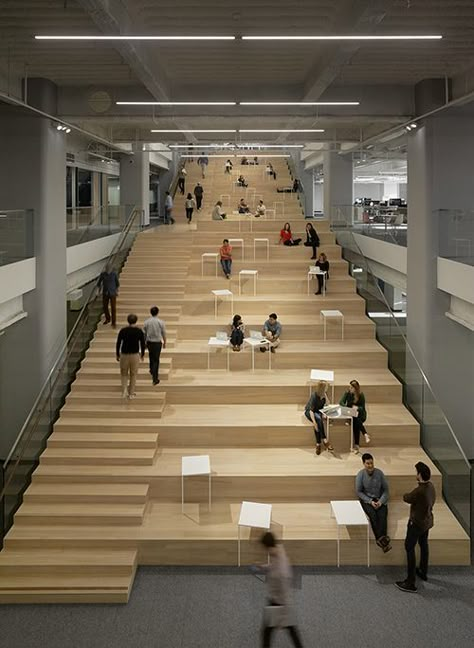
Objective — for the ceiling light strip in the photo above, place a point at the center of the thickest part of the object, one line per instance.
(192, 130)
(175, 103)
(235, 103)
(282, 130)
(299, 103)
(352, 37)
(101, 37)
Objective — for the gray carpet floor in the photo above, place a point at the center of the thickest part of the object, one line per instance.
(196, 607)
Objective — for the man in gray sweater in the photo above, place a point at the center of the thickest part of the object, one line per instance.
(372, 491)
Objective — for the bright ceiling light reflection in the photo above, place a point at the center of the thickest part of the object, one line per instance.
(299, 103)
(282, 130)
(101, 37)
(175, 103)
(193, 130)
(353, 37)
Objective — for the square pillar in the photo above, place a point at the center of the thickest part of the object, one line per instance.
(338, 189)
(135, 182)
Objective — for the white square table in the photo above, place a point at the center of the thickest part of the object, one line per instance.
(216, 343)
(196, 465)
(253, 343)
(266, 242)
(254, 515)
(282, 205)
(319, 374)
(223, 293)
(250, 273)
(208, 255)
(342, 413)
(349, 513)
(241, 242)
(332, 314)
(314, 271)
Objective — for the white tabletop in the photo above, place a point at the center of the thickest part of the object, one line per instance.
(349, 512)
(252, 272)
(213, 341)
(261, 239)
(232, 240)
(319, 374)
(332, 313)
(341, 412)
(257, 515)
(210, 254)
(221, 293)
(197, 465)
(256, 341)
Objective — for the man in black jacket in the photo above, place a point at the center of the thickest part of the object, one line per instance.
(129, 349)
(198, 192)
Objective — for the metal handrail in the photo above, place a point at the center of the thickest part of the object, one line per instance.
(394, 319)
(63, 355)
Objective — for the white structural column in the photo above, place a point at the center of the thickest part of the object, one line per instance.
(440, 176)
(135, 182)
(33, 169)
(337, 183)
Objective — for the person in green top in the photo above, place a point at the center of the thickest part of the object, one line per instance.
(355, 399)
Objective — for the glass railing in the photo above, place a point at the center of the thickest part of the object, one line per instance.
(31, 441)
(89, 223)
(384, 223)
(437, 435)
(16, 235)
(456, 235)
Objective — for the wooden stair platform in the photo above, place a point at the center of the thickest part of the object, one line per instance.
(102, 456)
(134, 440)
(86, 493)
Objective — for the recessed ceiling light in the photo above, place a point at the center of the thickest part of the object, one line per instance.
(299, 103)
(192, 130)
(101, 37)
(353, 37)
(282, 130)
(175, 103)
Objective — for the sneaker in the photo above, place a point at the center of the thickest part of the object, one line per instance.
(156, 382)
(355, 450)
(421, 575)
(406, 587)
(262, 349)
(272, 349)
(387, 548)
(318, 449)
(367, 438)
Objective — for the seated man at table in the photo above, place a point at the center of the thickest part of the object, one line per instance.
(271, 331)
(372, 491)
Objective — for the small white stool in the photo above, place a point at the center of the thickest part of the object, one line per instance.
(336, 314)
(253, 515)
(223, 293)
(266, 242)
(225, 196)
(253, 343)
(208, 255)
(339, 412)
(349, 513)
(216, 343)
(253, 273)
(314, 271)
(196, 465)
(241, 242)
(282, 205)
(319, 374)
(270, 212)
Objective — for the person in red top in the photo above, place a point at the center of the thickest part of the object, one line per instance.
(226, 257)
(286, 236)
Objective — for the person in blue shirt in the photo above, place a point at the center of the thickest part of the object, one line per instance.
(372, 490)
(271, 331)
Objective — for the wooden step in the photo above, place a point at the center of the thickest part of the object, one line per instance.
(103, 456)
(43, 562)
(101, 373)
(129, 493)
(87, 440)
(114, 398)
(79, 514)
(126, 408)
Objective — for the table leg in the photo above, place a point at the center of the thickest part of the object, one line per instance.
(343, 327)
(243, 250)
(368, 546)
(202, 267)
(332, 398)
(324, 285)
(240, 289)
(208, 358)
(328, 427)
(338, 547)
(324, 327)
(352, 433)
(216, 265)
(182, 493)
(210, 505)
(215, 306)
(238, 545)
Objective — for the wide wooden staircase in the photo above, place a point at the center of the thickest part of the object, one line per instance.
(106, 495)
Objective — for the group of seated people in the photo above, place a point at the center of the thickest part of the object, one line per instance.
(312, 241)
(245, 160)
(271, 331)
(352, 398)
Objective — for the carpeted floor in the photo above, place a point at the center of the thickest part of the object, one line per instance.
(195, 607)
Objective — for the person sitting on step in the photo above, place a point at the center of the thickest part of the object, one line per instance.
(237, 329)
(271, 331)
(225, 252)
(243, 207)
(218, 213)
(355, 399)
(372, 490)
(241, 181)
(323, 264)
(261, 209)
(313, 413)
(312, 239)
(286, 237)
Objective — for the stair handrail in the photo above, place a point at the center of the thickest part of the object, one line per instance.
(64, 354)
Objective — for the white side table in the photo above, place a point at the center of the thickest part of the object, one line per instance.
(223, 293)
(349, 513)
(344, 413)
(314, 271)
(208, 255)
(319, 374)
(216, 343)
(280, 204)
(251, 273)
(270, 212)
(266, 242)
(253, 515)
(253, 343)
(332, 314)
(241, 242)
(197, 465)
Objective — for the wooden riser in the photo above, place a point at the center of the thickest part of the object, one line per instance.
(114, 410)
(104, 457)
(86, 493)
(203, 330)
(134, 441)
(79, 514)
(105, 374)
(299, 253)
(270, 227)
(72, 563)
(114, 399)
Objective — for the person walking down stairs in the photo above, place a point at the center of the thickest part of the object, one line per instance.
(129, 349)
(155, 337)
(189, 205)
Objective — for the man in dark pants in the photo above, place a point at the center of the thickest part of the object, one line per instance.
(110, 284)
(198, 193)
(155, 336)
(421, 501)
(372, 491)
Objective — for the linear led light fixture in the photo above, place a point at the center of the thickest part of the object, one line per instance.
(191, 130)
(202, 146)
(299, 103)
(211, 156)
(353, 37)
(263, 145)
(282, 130)
(101, 37)
(175, 103)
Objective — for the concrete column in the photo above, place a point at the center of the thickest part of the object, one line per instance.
(337, 183)
(33, 166)
(135, 182)
(440, 176)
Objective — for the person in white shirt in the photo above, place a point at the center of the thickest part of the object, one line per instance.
(168, 210)
(218, 212)
(261, 209)
(189, 205)
(155, 338)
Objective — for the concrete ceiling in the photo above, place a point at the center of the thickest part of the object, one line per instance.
(380, 75)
